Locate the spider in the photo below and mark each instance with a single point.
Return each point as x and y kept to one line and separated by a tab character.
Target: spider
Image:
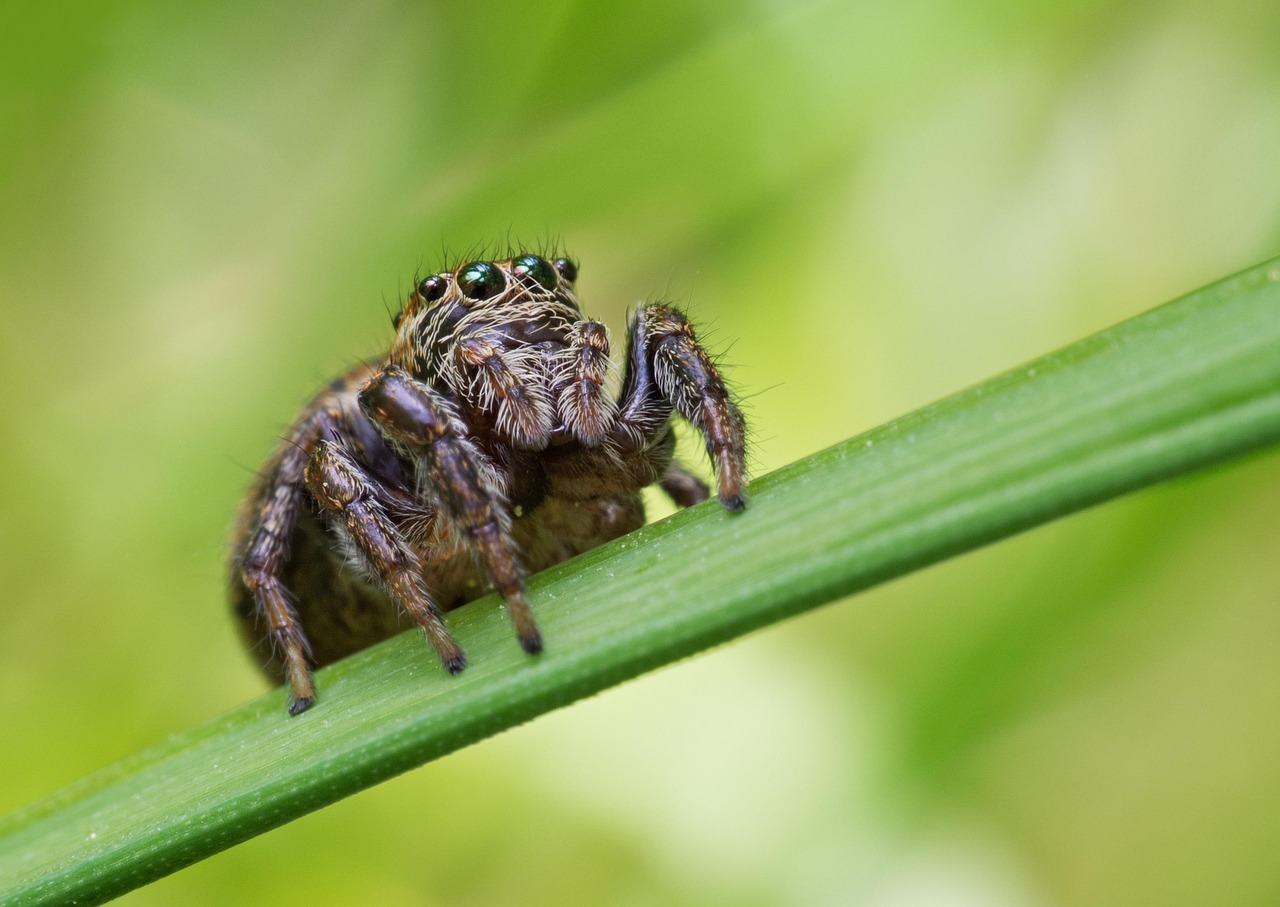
484	447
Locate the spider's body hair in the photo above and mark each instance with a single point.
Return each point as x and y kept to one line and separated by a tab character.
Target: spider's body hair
517	357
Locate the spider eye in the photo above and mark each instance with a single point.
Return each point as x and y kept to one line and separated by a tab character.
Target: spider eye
536	269
480	280
568	270
396	319
433	287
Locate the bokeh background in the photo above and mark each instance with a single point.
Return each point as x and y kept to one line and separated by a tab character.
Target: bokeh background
208	209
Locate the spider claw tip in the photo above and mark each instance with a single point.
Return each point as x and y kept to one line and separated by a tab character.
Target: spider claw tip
532	643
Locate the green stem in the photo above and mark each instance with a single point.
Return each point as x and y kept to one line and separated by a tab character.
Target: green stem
1189	384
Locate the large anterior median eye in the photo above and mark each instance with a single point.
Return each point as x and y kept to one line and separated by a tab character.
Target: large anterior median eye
537	269
480	280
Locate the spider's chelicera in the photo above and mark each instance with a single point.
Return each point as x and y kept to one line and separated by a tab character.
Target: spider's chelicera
486	446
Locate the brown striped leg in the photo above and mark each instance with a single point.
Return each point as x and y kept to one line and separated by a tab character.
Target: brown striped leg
341	485
423	424
667	368
267	551
508	381
580	371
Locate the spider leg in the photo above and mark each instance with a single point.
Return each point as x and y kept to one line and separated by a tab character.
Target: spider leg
579	372
266	553
668	369
341	485
423	425
506	380
684	487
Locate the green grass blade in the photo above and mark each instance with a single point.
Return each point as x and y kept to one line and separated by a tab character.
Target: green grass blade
1186	385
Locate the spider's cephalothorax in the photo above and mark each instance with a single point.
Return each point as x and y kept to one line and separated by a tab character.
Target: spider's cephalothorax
486	446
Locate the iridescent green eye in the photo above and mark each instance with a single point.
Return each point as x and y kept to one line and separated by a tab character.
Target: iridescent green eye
568	270
433	287
536	269
480	280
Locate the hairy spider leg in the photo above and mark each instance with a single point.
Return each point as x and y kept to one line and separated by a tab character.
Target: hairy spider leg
667	368
267	552
507	381
579	372
423	424
342	486
683	487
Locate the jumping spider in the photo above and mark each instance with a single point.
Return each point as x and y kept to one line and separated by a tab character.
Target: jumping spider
484	447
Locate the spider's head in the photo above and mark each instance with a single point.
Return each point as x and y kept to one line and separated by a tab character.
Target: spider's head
514	304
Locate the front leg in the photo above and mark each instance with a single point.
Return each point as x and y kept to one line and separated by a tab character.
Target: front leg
422	425
667	368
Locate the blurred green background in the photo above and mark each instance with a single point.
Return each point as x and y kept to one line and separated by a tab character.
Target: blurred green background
207	211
